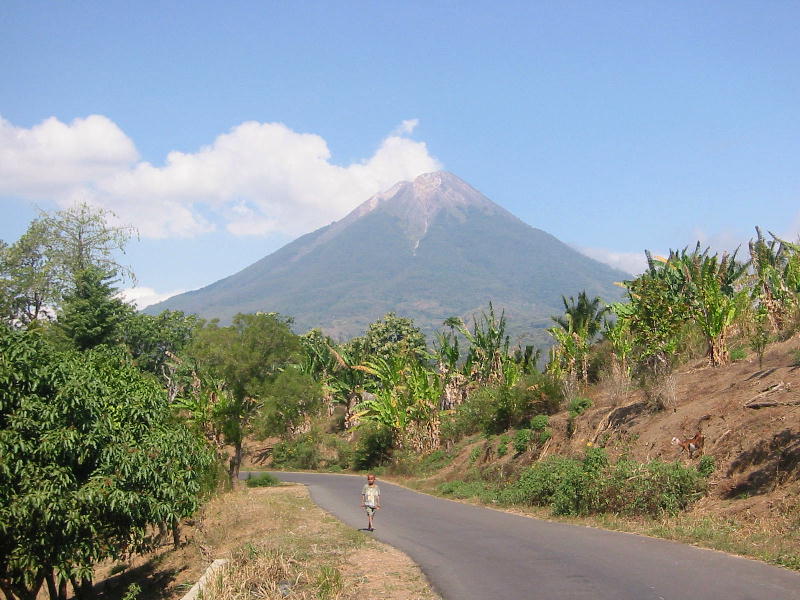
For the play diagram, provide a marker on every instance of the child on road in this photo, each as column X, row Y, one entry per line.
column 370, row 499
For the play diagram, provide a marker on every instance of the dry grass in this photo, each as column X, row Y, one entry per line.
column 279, row 545
column 302, row 553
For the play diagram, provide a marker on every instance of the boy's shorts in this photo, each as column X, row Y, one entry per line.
column 370, row 510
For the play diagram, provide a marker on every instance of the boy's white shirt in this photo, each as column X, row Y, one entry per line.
column 371, row 494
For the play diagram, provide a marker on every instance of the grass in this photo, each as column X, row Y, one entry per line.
column 262, row 480
column 279, row 545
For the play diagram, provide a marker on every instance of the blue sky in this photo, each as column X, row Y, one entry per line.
column 224, row 130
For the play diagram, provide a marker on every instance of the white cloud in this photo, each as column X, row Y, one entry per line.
column 634, row 263
column 407, row 127
column 53, row 158
column 258, row 178
column 142, row 297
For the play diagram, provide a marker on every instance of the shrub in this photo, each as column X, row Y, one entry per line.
column 738, row 353
column 262, row 480
column 522, row 440
column 706, row 466
column 579, row 405
column 474, row 454
column 540, row 422
column 374, row 446
column 592, row 485
column 502, row 448
column 301, row 452
column 468, row 489
column 339, row 452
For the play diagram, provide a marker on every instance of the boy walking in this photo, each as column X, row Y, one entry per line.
column 370, row 499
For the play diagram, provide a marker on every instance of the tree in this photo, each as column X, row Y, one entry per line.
column 151, row 339
column 248, row 356
column 776, row 274
column 91, row 314
column 81, row 237
column 28, row 289
column 579, row 324
column 713, row 295
column 392, row 334
column 44, row 264
column 92, row 461
column 584, row 315
column 287, row 403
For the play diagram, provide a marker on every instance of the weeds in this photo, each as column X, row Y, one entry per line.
column 593, row 485
column 262, row 480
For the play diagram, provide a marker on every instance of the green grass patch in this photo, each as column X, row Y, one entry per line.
column 262, row 480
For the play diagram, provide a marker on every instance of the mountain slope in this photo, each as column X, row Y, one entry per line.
column 427, row 249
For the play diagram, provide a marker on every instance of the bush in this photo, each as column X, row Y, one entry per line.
column 502, row 448
column 578, row 406
column 577, row 487
column 540, row 422
column 263, row 480
column 374, row 446
column 522, row 440
column 738, row 353
column 706, row 466
column 495, row 409
column 468, row 489
column 339, row 453
column 301, row 452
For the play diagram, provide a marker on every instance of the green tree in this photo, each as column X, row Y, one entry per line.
column 28, row 288
column 92, row 461
column 288, row 402
column 151, row 339
column 46, row 262
column 91, row 314
column 81, row 237
column 582, row 316
column 392, row 334
column 248, row 356
column 713, row 294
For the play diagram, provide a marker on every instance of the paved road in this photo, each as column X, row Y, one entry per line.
column 469, row 553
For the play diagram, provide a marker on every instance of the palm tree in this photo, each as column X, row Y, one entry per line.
column 583, row 316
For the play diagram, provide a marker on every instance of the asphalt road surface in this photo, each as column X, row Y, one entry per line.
column 469, row 552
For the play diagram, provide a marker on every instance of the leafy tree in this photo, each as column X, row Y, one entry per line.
column 583, row 316
column 92, row 460
column 488, row 346
column 91, row 314
column 81, row 237
column 713, row 295
column 248, row 356
column 46, row 262
column 27, row 284
column 392, row 334
column 288, row 402
column 776, row 273
column 405, row 401
column 151, row 339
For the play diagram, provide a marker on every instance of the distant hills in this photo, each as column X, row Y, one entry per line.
column 428, row 249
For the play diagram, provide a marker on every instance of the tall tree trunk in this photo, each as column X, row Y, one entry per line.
column 51, row 586
column 7, row 592
column 176, row 533
column 235, row 462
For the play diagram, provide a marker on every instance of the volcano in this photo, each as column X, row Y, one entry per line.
column 427, row 249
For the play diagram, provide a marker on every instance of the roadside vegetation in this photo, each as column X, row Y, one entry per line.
column 116, row 426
